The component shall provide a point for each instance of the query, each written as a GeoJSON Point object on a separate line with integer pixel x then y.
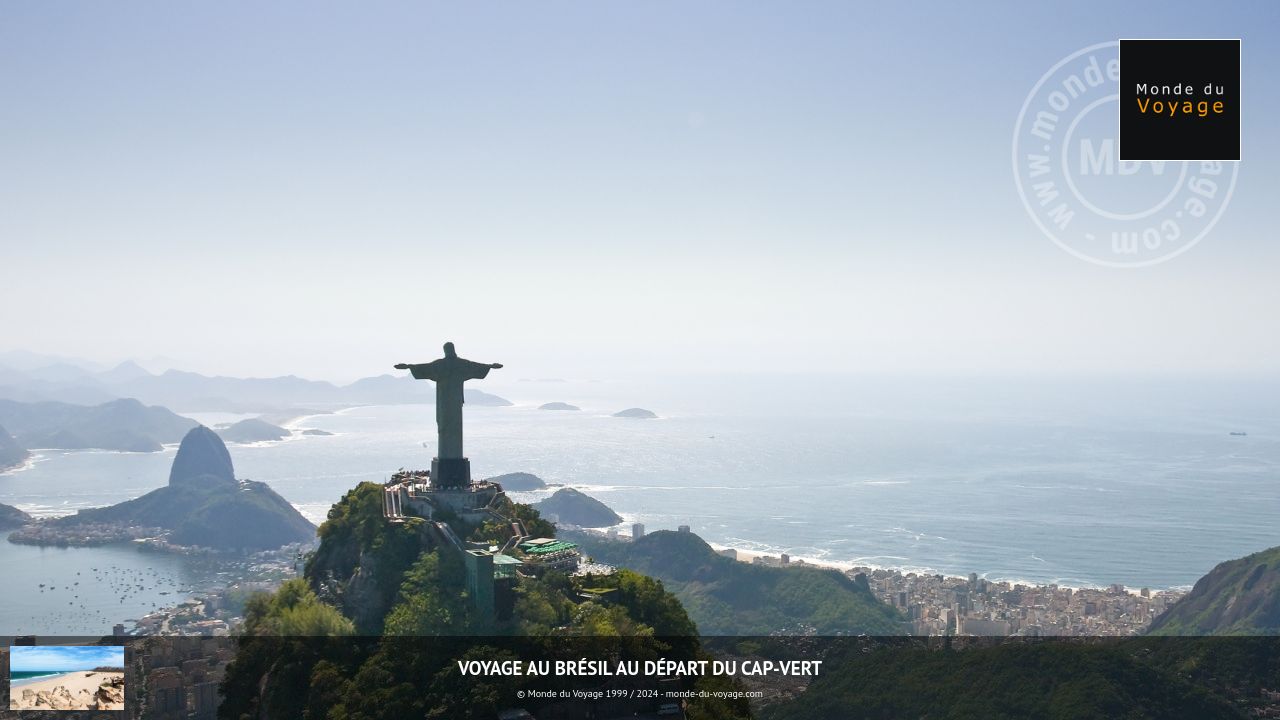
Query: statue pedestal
{"type": "Point", "coordinates": [450, 472]}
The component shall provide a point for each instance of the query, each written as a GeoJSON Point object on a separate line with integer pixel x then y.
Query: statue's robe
{"type": "Point", "coordinates": [449, 373]}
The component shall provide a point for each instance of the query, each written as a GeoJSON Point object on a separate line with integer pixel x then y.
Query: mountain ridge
{"type": "Point", "coordinates": [190, 391]}
{"type": "Point", "coordinates": [727, 597]}
{"type": "Point", "coordinates": [1236, 597]}
{"type": "Point", "coordinates": [11, 517]}
{"type": "Point", "coordinates": [124, 424]}
{"type": "Point", "coordinates": [577, 508]}
{"type": "Point", "coordinates": [11, 453]}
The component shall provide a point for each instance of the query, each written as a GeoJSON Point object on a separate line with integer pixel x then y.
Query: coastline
{"type": "Point", "coordinates": [774, 557]}
{"type": "Point", "coordinates": [293, 422]}
{"type": "Point", "coordinates": [33, 457]}
{"type": "Point", "coordinates": [74, 690]}
{"type": "Point", "coordinates": [20, 682]}
{"type": "Point", "coordinates": [937, 604]}
{"type": "Point", "coordinates": [844, 566]}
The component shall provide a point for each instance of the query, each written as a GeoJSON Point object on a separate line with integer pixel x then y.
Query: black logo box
{"type": "Point", "coordinates": [1210, 132]}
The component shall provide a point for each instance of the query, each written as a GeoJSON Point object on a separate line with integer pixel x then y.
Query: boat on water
{"type": "Point", "coordinates": [1239, 434]}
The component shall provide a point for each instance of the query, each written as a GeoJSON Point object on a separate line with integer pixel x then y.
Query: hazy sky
{"type": "Point", "coordinates": [326, 189]}
{"type": "Point", "coordinates": [78, 657]}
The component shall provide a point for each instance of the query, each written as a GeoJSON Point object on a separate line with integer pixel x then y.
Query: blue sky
{"type": "Point", "coordinates": [326, 188]}
{"type": "Point", "coordinates": [34, 658]}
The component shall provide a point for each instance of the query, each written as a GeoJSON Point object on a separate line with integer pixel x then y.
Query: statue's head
{"type": "Point", "coordinates": [449, 351]}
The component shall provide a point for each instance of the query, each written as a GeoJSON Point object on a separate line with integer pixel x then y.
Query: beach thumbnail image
{"type": "Point", "coordinates": [73, 677]}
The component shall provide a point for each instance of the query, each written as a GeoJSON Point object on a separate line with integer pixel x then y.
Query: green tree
{"type": "Point", "coordinates": [432, 599]}
{"type": "Point", "coordinates": [294, 611]}
{"type": "Point", "coordinates": [472, 698]}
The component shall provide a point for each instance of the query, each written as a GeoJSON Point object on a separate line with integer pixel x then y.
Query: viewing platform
{"type": "Point", "coordinates": [410, 493]}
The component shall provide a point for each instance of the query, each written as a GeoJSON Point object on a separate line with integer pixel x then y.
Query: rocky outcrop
{"type": "Point", "coordinates": [92, 691]}
{"type": "Point", "coordinates": [253, 430]}
{"type": "Point", "coordinates": [203, 506]}
{"type": "Point", "coordinates": [519, 481]}
{"type": "Point", "coordinates": [576, 508]}
{"type": "Point", "coordinates": [249, 517]}
{"type": "Point", "coordinates": [362, 558]}
{"type": "Point", "coordinates": [637, 413]}
{"type": "Point", "coordinates": [110, 695]}
{"type": "Point", "coordinates": [558, 406]}
{"type": "Point", "coordinates": [202, 459]}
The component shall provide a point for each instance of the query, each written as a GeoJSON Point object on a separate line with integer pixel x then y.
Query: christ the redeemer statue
{"type": "Point", "coordinates": [450, 468]}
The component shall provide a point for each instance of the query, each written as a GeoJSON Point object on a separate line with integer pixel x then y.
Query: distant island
{"type": "Point", "coordinates": [519, 481]}
{"type": "Point", "coordinates": [125, 425]}
{"type": "Point", "coordinates": [203, 506]}
{"type": "Point", "coordinates": [639, 413]}
{"type": "Point", "coordinates": [253, 430]}
{"type": "Point", "coordinates": [558, 406]}
{"type": "Point", "coordinates": [317, 432]}
{"type": "Point", "coordinates": [577, 508]}
{"type": "Point", "coordinates": [11, 453]}
{"type": "Point", "coordinates": [11, 517]}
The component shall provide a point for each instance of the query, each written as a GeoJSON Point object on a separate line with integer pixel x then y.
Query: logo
{"type": "Point", "coordinates": [1180, 99]}
{"type": "Point", "coordinates": [1092, 204]}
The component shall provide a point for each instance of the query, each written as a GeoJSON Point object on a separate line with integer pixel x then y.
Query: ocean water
{"type": "Point", "coordinates": [85, 591]}
{"type": "Point", "coordinates": [23, 677]}
{"type": "Point", "coordinates": [1083, 482]}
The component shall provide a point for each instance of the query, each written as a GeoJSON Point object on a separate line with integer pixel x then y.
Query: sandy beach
{"type": "Point", "coordinates": [79, 690]}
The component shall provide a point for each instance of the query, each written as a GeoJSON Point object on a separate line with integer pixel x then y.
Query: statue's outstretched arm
{"type": "Point", "coordinates": [495, 366]}
{"type": "Point", "coordinates": [402, 366]}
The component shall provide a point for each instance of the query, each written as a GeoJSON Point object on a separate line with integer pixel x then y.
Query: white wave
{"type": "Point", "coordinates": [589, 488]}
{"type": "Point", "coordinates": [40, 510]}
{"type": "Point", "coordinates": [27, 464]}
